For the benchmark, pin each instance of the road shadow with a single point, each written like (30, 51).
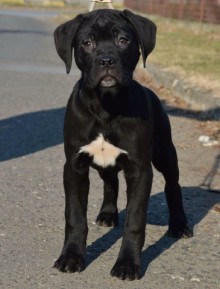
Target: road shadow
(197, 203)
(193, 198)
(30, 132)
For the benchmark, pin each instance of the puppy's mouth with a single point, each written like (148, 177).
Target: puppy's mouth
(108, 81)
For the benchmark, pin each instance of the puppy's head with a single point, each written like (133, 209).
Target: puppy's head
(106, 45)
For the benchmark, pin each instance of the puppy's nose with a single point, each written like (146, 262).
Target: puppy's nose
(106, 61)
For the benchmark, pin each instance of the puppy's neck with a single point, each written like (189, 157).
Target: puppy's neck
(113, 99)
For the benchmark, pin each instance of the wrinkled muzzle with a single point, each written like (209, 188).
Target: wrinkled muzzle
(106, 71)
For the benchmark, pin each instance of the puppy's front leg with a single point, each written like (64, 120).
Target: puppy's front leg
(76, 186)
(139, 181)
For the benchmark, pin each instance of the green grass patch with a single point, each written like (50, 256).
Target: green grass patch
(190, 46)
(48, 3)
(12, 2)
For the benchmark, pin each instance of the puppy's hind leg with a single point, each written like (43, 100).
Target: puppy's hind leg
(108, 215)
(165, 161)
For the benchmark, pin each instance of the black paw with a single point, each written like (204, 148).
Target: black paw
(107, 219)
(125, 270)
(184, 232)
(70, 263)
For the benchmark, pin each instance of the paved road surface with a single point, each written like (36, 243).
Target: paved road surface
(34, 91)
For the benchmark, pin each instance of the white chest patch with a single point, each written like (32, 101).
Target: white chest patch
(104, 154)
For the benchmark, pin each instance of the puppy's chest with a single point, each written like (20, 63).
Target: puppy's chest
(102, 152)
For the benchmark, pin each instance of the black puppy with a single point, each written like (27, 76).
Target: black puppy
(114, 123)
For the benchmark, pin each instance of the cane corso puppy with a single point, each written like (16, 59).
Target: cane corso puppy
(113, 123)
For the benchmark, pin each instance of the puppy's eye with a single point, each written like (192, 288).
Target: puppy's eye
(123, 41)
(87, 43)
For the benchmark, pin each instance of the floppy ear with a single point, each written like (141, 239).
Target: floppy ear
(64, 40)
(145, 30)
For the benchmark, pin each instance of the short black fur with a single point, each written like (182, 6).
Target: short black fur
(107, 101)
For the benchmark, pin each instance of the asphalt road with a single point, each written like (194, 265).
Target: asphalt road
(33, 94)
